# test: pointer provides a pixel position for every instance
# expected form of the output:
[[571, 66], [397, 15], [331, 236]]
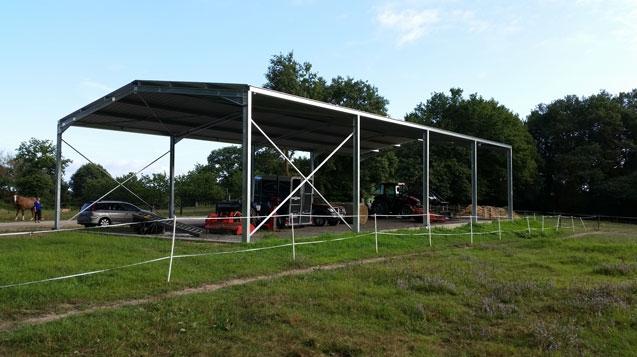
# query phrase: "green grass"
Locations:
[[521, 295]]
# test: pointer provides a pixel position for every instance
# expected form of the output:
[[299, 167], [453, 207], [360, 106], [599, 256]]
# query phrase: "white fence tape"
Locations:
[[240, 251]]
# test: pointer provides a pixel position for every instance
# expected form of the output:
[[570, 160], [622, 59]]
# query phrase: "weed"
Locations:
[[603, 297], [615, 269], [494, 308], [427, 284], [554, 336]]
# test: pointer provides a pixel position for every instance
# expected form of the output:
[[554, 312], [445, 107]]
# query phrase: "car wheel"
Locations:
[[319, 221], [103, 222]]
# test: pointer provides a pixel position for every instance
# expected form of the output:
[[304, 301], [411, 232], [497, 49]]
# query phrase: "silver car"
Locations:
[[105, 213]]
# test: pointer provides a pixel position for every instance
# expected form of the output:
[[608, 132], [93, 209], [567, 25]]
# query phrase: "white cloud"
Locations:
[[95, 85], [410, 24]]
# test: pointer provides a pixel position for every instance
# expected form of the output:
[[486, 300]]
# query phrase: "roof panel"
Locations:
[[213, 111]]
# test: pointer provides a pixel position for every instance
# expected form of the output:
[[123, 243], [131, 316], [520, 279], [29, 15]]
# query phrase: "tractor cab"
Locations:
[[393, 198]]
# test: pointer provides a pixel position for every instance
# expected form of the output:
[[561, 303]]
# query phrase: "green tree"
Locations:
[[450, 159], [34, 168], [226, 164], [588, 151], [6, 177], [79, 183], [287, 75]]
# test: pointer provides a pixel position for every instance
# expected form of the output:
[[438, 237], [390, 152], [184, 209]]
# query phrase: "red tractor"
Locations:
[[393, 199]]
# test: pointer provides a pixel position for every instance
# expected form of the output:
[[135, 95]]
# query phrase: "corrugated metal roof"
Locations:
[[213, 112]]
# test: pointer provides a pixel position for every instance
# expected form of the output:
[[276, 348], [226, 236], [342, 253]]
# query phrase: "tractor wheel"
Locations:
[[405, 212]]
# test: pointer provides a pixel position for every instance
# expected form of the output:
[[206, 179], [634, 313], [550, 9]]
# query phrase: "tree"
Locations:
[[80, 180], [450, 161], [34, 168], [6, 168], [226, 164], [286, 74], [588, 151]]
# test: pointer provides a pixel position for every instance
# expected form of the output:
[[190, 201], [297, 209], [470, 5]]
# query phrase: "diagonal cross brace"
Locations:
[[106, 172], [299, 172], [118, 185], [305, 180]]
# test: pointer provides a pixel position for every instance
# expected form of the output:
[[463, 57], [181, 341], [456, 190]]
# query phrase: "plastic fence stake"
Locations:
[[542, 224], [573, 224], [528, 225], [583, 225], [172, 249], [557, 225], [499, 229], [376, 233], [429, 227], [471, 227], [293, 244]]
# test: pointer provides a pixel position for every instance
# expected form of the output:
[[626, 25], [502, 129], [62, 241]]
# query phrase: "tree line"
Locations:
[[575, 154]]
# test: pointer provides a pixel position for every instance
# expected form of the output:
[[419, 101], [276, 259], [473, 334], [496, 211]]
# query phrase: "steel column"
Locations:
[[510, 183], [171, 178], [356, 188], [425, 178], [246, 176], [474, 181], [58, 178]]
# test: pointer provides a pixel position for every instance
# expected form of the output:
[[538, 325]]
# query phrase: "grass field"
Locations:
[[521, 295]]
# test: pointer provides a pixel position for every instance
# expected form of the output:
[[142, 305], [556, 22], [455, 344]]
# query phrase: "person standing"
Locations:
[[37, 206]]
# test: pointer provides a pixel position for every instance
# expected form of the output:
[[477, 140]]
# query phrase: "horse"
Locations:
[[21, 203]]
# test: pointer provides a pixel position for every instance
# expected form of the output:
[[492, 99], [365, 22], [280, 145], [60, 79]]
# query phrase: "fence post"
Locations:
[[172, 249], [583, 225], [542, 224], [499, 229], [528, 225], [293, 246], [376, 233], [557, 225], [429, 227], [471, 227], [573, 224], [598, 223]]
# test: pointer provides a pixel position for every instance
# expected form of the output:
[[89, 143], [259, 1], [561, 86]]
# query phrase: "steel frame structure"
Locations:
[[228, 98]]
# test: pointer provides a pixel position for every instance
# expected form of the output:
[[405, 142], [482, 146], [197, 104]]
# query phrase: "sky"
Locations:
[[57, 56]]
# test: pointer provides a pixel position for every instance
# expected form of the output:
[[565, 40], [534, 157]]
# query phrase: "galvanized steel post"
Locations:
[[246, 176], [356, 184], [510, 183], [474, 181], [425, 178], [58, 178], [171, 179]]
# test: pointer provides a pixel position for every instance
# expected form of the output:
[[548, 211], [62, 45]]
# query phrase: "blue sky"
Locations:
[[57, 56]]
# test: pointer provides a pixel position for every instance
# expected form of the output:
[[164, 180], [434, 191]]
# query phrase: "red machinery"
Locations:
[[226, 219], [433, 217]]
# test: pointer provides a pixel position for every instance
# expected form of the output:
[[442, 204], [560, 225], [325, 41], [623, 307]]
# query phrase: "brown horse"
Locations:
[[21, 203]]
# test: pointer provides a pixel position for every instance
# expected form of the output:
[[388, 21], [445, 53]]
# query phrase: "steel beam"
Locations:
[[246, 177], [336, 108], [425, 177], [356, 166], [474, 181], [171, 178], [510, 183], [58, 178]]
